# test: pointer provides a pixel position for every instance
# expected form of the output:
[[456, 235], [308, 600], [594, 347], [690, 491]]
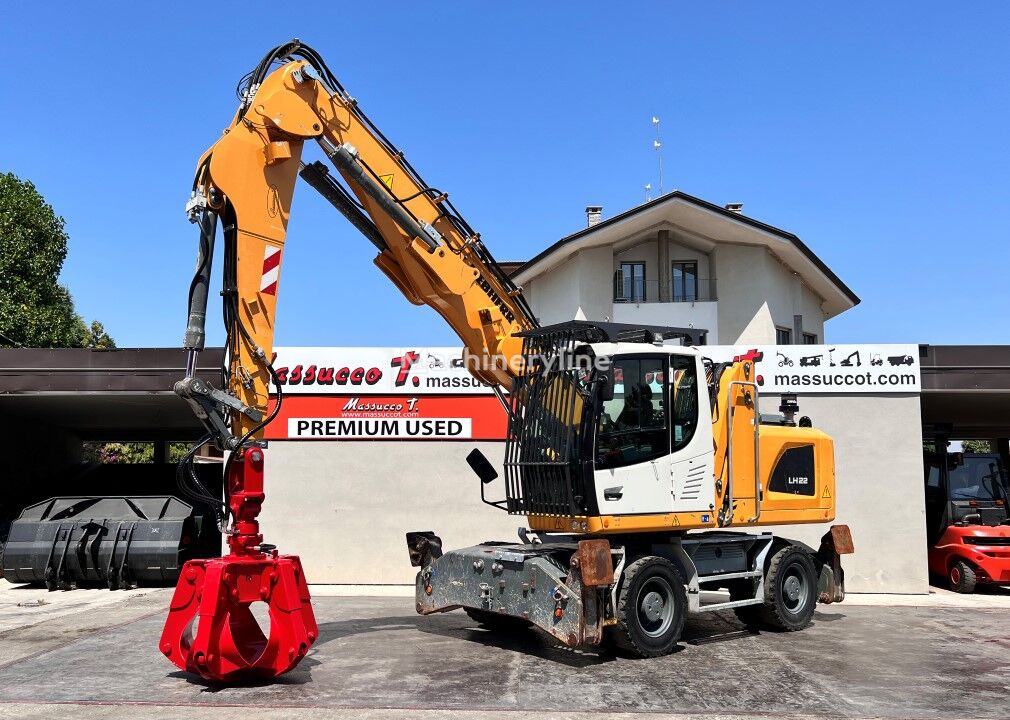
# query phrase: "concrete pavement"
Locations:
[[984, 597], [377, 659]]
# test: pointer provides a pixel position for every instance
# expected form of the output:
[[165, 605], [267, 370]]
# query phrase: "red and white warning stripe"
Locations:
[[271, 270]]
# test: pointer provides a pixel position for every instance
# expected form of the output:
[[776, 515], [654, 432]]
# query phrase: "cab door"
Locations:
[[654, 438], [633, 474]]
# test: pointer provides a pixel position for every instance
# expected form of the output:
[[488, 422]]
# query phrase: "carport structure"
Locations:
[[966, 393], [52, 400], [102, 394]]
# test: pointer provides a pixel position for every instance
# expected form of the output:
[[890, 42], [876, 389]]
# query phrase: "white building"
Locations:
[[681, 261]]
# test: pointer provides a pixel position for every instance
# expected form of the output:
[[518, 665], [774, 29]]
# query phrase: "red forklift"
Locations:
[[968, 526]]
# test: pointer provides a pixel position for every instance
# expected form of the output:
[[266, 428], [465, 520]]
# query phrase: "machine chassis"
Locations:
[[569, 586]]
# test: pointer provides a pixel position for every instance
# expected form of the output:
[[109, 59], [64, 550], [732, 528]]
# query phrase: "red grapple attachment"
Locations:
[[210, 629]]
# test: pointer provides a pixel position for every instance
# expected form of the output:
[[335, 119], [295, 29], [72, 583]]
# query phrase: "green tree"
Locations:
[[97, 338], [130, 453], [126, 453], [977, 446], [35, 310]]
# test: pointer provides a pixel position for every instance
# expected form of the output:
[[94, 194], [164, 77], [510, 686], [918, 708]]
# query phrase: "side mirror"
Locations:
[[607, 384], [481, 466]]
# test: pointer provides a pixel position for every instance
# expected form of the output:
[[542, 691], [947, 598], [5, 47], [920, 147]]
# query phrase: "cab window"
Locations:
[[684, 410], [633, 425]]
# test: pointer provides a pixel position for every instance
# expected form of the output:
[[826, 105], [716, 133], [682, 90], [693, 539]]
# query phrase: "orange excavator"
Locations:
[[620, 442]]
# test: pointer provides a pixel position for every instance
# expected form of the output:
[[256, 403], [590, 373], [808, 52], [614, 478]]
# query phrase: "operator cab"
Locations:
[[653, 429], [609, 414], [964, 489]]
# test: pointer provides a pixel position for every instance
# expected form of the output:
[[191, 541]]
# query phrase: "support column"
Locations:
[[665, 269]]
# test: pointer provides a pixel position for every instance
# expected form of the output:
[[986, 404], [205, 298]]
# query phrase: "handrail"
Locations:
[[757, 451]]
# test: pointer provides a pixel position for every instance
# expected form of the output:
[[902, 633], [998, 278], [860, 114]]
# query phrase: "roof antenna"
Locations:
[[658, 147]]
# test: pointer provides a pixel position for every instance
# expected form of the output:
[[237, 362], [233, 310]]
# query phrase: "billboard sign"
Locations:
[[389, 417], [821, 369], [375, 371], [425, 393], [852, 368]]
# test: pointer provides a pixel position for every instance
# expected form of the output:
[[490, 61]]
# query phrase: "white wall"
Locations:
[[756, 293], [580, 288], [879, 482], [344, 507], [698, 315], [554, 296], [596, 288]]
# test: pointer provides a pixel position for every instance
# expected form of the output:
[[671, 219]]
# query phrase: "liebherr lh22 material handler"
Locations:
[[633, 461]]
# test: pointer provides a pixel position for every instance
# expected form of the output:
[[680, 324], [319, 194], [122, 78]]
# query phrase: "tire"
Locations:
[[962, 577], [495, 621], [651, 607], [790, 590]]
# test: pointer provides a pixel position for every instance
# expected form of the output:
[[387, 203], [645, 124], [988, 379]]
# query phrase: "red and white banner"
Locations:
[[375, 371], [389, 417], [425, 393]]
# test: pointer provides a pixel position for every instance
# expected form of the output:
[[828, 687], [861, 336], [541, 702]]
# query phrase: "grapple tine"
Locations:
[[211, 630]]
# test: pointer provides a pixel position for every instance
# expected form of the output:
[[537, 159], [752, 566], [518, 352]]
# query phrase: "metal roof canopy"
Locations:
[[126, 394], [590, 331], [120, 394], [968, 388]]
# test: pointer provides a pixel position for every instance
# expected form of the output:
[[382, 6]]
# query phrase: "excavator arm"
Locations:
[[245, 182]]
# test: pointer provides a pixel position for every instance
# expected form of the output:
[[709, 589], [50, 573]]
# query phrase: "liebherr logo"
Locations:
[[495, 298]]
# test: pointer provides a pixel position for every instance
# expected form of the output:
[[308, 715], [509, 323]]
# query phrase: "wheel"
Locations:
[[790, 590], [962, 577], [495, 621], [651, 607]]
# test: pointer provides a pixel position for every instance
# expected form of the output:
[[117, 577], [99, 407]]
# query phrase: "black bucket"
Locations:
[[114, 542]]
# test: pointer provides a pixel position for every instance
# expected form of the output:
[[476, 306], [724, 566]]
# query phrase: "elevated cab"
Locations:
[[679, 443]]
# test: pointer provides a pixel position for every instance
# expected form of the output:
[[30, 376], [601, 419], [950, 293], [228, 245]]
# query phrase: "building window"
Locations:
[[783, 336], [630, 282], [685, 281], [809, 339]]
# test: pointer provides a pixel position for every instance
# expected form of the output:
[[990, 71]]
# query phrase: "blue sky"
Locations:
[[874, 132]]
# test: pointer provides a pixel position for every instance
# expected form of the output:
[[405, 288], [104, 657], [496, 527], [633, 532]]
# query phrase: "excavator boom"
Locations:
[[246, 181]]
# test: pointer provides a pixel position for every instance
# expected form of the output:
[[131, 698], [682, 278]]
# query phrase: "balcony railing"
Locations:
[[628, 290]]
